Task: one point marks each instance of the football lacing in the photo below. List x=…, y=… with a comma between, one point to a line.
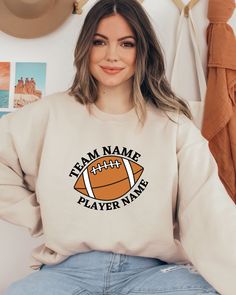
x=115, y=164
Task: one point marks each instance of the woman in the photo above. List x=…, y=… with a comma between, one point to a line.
x=116, y=176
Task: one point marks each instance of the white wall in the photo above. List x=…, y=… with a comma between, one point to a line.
x=56, y=49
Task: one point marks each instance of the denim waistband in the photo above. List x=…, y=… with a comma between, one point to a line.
x=98, y=260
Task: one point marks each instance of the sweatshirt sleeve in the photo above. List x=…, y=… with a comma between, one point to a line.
x=207, y=215
x=21, y=142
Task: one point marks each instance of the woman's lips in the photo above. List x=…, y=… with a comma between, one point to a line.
x=111, y=70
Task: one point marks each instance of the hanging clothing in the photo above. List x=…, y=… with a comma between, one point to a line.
x=219, y=123
x=196, y=107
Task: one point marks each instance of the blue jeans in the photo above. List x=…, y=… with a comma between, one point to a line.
x=105, y=273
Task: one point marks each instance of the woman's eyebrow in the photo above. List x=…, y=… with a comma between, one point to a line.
x=120, y=39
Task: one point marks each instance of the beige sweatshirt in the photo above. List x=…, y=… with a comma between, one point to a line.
x=101, y=182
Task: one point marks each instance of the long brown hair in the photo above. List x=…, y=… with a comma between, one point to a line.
x=149, y=81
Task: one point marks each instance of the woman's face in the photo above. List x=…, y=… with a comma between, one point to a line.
x=113, y=53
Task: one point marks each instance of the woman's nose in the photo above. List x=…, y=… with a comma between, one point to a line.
x=112, y=53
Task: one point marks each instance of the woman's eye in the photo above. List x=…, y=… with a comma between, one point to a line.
x=128, y=44
x=98, y=42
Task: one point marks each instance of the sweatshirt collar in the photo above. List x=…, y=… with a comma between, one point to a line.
x=104, y=116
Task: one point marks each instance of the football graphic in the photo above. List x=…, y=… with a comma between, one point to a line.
x=108, y=178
